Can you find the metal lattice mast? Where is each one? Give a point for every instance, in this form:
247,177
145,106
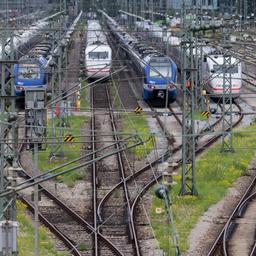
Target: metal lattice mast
227,137
200,100
7,98
188,74
8,157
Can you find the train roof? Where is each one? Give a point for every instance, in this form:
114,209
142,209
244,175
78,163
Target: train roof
95,35
23,37
139,49
215,59
40,60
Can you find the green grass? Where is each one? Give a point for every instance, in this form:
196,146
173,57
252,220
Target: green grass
133,123
215,173
70,150
26,236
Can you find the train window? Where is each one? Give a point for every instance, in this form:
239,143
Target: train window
160,70
98,55
28,72
233,69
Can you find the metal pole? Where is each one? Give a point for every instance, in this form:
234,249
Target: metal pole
60,54
188,74
35,157
52,115
227,137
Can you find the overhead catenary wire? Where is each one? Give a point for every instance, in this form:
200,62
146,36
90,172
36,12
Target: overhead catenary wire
45,178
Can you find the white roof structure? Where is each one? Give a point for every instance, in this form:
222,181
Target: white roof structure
95,35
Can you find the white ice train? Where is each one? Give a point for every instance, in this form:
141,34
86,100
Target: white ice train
212,65
98,54
214,71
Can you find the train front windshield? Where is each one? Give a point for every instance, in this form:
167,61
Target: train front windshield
98,55
28,72
160,70
233,69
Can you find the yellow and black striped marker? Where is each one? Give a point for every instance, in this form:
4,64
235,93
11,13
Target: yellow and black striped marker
205,114
138,109
69,138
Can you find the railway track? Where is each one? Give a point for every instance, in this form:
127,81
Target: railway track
237,236
111,200
144,183
71,228
157,176
250,79
112,214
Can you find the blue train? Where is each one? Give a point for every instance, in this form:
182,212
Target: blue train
31,69
158,72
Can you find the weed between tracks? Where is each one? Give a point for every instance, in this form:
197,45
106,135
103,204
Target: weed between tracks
132,124
26,236
216,172
71,150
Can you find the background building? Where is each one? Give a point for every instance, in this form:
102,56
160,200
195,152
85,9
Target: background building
206,4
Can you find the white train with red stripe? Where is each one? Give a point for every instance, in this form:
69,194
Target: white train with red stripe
98,54
213,75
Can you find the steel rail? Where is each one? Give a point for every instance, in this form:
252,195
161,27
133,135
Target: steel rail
94,178
54,229
70,212
154,180
223,236
253,250
123,177
75,216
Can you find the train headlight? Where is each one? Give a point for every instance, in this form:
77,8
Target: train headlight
20,88
151,87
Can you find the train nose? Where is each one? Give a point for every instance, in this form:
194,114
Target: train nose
160,94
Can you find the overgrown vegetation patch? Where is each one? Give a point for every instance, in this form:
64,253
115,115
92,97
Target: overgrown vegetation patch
26,236
49,158
132,124
215,173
